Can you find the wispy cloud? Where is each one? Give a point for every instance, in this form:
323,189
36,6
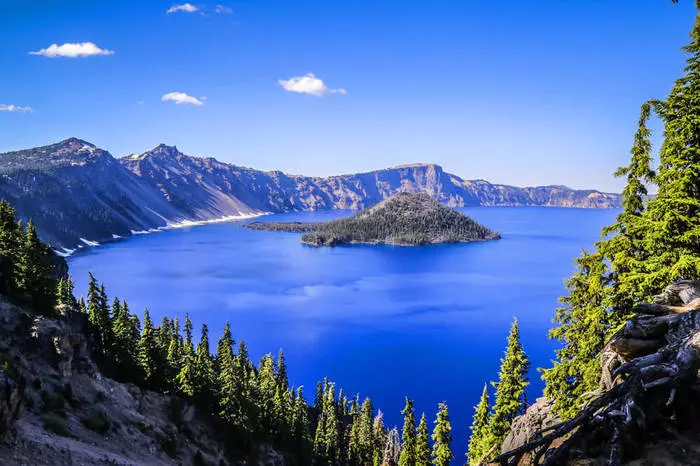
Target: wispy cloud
223,9
182,98
185,7
15,108
70,50
308,84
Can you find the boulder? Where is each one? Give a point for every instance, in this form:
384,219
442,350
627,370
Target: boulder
524,428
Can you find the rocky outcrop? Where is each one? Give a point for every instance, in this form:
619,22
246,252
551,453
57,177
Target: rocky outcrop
57,408
77,193
648,402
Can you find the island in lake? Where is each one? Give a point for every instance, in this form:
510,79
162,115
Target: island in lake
406,219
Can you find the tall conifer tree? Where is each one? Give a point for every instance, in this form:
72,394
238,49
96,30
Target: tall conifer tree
408,436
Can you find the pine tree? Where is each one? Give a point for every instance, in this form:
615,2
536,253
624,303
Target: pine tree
98,316
149,357
229,402
33,283
186,376
442,437
651,244
479,429
423,443
282,378
64,294
300,429
11,239
126,346
204,371
354,449
510,389
408,436
366,433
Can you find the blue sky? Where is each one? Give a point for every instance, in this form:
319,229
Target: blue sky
524,93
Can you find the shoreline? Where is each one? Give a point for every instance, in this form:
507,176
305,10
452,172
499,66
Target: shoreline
86,243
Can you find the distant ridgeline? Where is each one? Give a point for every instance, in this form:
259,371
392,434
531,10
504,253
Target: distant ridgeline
77,193
406,219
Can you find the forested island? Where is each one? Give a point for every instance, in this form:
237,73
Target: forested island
406,219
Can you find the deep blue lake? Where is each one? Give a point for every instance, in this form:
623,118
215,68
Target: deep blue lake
429,322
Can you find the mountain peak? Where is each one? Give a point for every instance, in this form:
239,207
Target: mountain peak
163,149
420,165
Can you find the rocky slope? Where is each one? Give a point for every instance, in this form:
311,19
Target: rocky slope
406,219
56,408
647,407
74,190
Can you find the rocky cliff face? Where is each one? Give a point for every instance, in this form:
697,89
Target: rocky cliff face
56,408
74,190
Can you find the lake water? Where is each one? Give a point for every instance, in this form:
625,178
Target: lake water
430,322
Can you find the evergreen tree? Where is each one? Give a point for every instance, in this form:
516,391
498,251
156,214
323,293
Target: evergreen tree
11,238
98,316
282,378
300,428
510,389
479,428
651,244
64,295
204,371
230,407
186,376
149,356
442,437
366,433
33,283
126,346
408,436
423,443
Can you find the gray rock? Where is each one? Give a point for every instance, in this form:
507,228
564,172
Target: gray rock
538,416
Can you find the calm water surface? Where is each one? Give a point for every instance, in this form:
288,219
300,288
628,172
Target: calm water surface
429,322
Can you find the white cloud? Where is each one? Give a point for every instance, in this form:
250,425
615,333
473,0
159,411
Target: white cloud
84,49
182,98
308,84
14,108
186,7
223,9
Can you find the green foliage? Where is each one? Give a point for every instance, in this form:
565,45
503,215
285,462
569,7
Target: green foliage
423,452
442,438
510,389
408,436
403,219
653,242
477,441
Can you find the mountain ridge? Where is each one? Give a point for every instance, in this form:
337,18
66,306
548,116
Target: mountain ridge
75,191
